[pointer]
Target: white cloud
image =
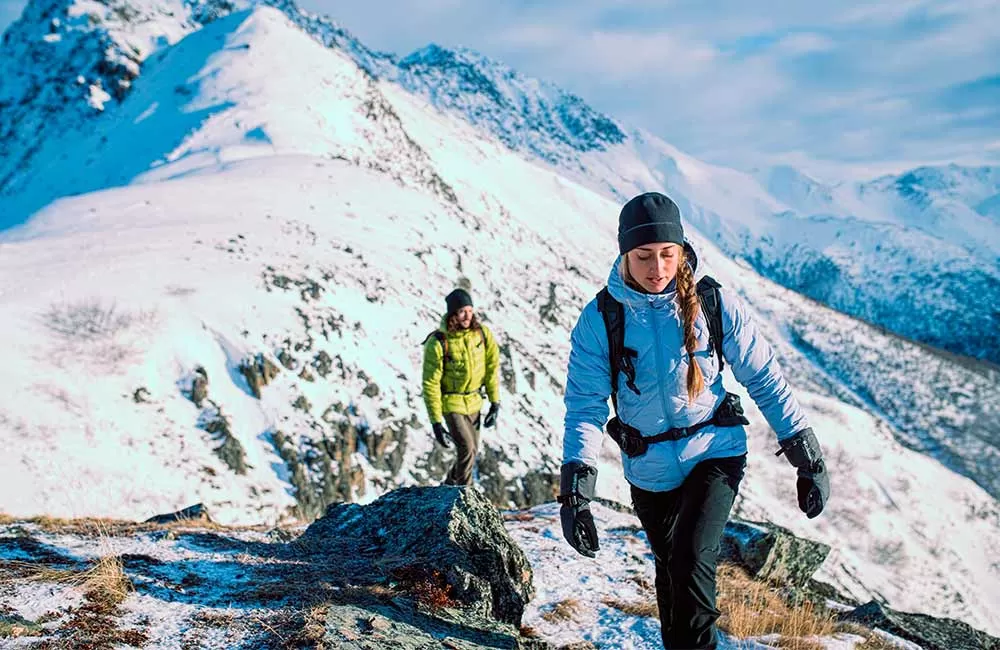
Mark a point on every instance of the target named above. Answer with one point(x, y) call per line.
point(849, 80)
point(734, 80)
point(804, 43)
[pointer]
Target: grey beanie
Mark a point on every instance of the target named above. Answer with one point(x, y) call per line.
point(649, 218)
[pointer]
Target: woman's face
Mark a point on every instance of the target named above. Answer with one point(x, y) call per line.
point(464, 317)
point(653, 266)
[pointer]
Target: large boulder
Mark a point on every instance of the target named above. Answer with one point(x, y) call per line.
point(772, 553)
point(449, 536)
point(928, 632)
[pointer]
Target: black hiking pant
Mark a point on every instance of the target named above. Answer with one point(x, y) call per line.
point(464, 430)
point(684, 527)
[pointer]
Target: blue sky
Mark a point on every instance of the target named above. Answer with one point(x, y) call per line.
point(874, 84)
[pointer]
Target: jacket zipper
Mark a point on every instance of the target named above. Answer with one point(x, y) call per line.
point(660, 381)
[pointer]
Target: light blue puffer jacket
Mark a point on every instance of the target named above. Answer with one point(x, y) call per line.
point(653, 328)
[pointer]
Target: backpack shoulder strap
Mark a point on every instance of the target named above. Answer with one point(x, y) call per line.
point(711, 303)
point(441, 339)
point(614, 324)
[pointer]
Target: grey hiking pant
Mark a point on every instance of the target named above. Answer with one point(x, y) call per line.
point(464, 430)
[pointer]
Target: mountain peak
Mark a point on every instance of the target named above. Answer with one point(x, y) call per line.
point(525, 113)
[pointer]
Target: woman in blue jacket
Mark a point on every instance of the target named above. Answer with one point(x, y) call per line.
point(686, 454)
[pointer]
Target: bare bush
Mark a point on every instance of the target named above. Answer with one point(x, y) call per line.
point(87, 320)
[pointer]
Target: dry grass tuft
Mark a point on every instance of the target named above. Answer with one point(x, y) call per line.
point(752, 608)
point(107, 580)
point(645, 608)
point(100, 527)
point(314, 627)
point(564, 610)
point(291, 628)
point(529, 632)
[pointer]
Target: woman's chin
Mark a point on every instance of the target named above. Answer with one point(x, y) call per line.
point(654, 287)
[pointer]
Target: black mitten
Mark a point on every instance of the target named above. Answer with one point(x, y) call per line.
point(491, 415)
point(577, 482)
point(813, 485)
point(441, 434)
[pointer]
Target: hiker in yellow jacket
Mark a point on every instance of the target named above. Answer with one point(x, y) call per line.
point(460, 359)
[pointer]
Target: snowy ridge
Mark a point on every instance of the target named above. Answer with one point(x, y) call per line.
point(316, 220)
point(898, 220)
point(511, 106)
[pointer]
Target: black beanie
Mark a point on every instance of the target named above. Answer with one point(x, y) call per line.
point(456, 300)
point(649, 218)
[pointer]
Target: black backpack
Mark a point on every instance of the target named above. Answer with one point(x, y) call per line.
point(621, 357)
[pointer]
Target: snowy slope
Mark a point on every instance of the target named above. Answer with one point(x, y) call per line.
point(328, 212)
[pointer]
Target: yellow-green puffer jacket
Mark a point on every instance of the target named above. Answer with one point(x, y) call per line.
point(452, 385)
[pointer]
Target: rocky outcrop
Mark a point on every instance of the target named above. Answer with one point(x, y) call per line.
point(258, 371)
point(380, 626)
point(194, 514)
point(229, 450)
point(451, 538)
point(927, 631)
point(532, 488)
point(772, 553)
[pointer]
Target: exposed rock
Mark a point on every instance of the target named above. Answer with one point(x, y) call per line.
point(927, 631)
point(772, 553)
point(196, 513)
point(534, 487)
point(230, 451)
point(379, 626)
point(258, 371)
point(370, 390)
point(508, 369)
point(322, 363)
point(199, 387)
point(546, 313)
point(305, 375)
point(287, 360)
point(452, 531)
point(312, 496)
point(302, 403)
point(141, 395)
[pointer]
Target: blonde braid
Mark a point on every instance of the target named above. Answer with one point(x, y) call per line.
point(690, 306)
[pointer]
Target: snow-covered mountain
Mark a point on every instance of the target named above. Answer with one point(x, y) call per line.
point(267, 221)
point(917, 253)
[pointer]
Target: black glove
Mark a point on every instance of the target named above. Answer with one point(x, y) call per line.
point(813, 485)
point(441, 434)
point(491, 415)
point(576, 489)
